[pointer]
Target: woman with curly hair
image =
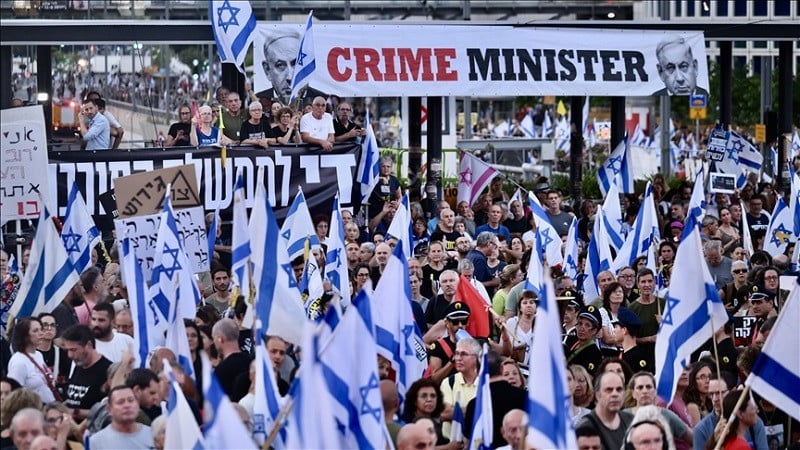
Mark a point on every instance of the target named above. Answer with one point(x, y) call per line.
point(424, 399)
point(698, 402)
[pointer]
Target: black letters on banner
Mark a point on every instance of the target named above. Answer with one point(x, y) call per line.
point(286, 169)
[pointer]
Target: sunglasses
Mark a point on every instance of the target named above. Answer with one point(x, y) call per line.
point(739, 271)
point(458, 321)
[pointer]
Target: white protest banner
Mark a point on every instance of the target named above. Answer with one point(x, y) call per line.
point(391, 60)
point(23, 168)
point(143, 232)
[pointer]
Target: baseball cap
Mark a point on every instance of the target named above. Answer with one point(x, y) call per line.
point(592, 314)
point(457, 311)
point(628, 319)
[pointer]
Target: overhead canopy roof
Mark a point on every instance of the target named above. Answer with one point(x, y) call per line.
point(57, 32)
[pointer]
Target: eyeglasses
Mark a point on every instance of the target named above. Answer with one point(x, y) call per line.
point(739, 271)
point(771, 278)
point(463, 354)
point(319, 105)
point(344, 109)
point(703, 377)
point(48, 326)
point(185, 113)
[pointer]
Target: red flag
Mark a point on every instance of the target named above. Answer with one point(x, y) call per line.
point(479, 324)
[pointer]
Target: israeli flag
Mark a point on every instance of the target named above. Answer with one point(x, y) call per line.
point(79, 233)
point(547, 125)
point(598, 258)
point(354, 389)
point(697, 202)
point(177, 341)
point(692, 306)
point(240, 258)
point(223, 428)
point(612, 218)
point(50, 274)
point(483, 422)
point(527, 126)
point(297, 227)
point(571, 252)
point(233, 23)
point(278, 302)
point(336, 259)
point(781, 229)
point(369, 165)
point(400, 227)
point(534, 277)
point(268, 402)
point(549, 409)
point(172, 288)
point(182, 430)
point(397, 335)
point(617, 169)
point(306, 61)
point(148, 324)
point(551, 242)
point(645, 232)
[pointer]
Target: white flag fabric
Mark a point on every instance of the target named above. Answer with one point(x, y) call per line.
point(313, 422)
point(369, 165)
point(562, 134)
point(571, 251)
point(172, 287)
point(222, 428)
point(697, 202)
point(483, 422)
point(527, 126)
point(355, 389)
point(177, 341)
point(776, 373)
point(148, 325)
point(336, 259)
point(612, 218)
point(598, 257)
point(233, 23)
point(645, 232)
point(535, 276)
point(297, 227)
point(548, 410)
point(747, 240)
point(617, 169)
point(397, 335)
point(692, 305)
point(400, 227)
point(547, 125)
point(50, 274)
point(79, 233)
point(278, 303)
point(551, 242)
point(585, 117)
point(268, 400)
point(306, 61)
point(474, 176)
point(182, 430)
point(457, 424)
point(240, 257)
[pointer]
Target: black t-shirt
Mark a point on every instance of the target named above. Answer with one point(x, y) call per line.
point(339, 128)
point(229, 368)
point(436, 309)
point(435, 349)
point(260, 131)
point(449, 238)
point(173, 131)
point(638, 358)
point(84, 388)
point(277, 132)
point(588, 356)
point(382, 193)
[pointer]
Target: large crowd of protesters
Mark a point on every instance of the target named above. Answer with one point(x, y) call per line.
point(70, 373)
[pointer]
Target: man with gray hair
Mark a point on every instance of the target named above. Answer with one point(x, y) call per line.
point(677, 68)
point(27, 424)
point(316, 127)
point(463, 385)
point(718, 265)
point(280, 57)
point(485, 243)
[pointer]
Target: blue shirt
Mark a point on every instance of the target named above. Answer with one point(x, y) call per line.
point(705, 430)
point(501, 230)
point(210, 139)
point(98, 136)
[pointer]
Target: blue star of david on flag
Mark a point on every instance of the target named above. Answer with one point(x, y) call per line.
point(671, 304)
point(780, 235)
point(176, 265)
point(289, 271)
point(232, 11)
point(615, 164)
point(364, 392)
point(545, 234)
point(71, 241)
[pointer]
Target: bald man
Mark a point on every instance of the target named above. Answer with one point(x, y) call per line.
point(420, 435)
point(515, 423)
point(44, 442)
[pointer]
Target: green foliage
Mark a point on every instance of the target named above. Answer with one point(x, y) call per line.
point(562, 183)
point(589, 186)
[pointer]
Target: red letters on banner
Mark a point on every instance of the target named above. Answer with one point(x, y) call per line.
point(391, 64)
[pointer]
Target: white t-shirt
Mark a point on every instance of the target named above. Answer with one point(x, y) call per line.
point(113, 349)
point(25, 372)
point(317, 128)
point(522, 338)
